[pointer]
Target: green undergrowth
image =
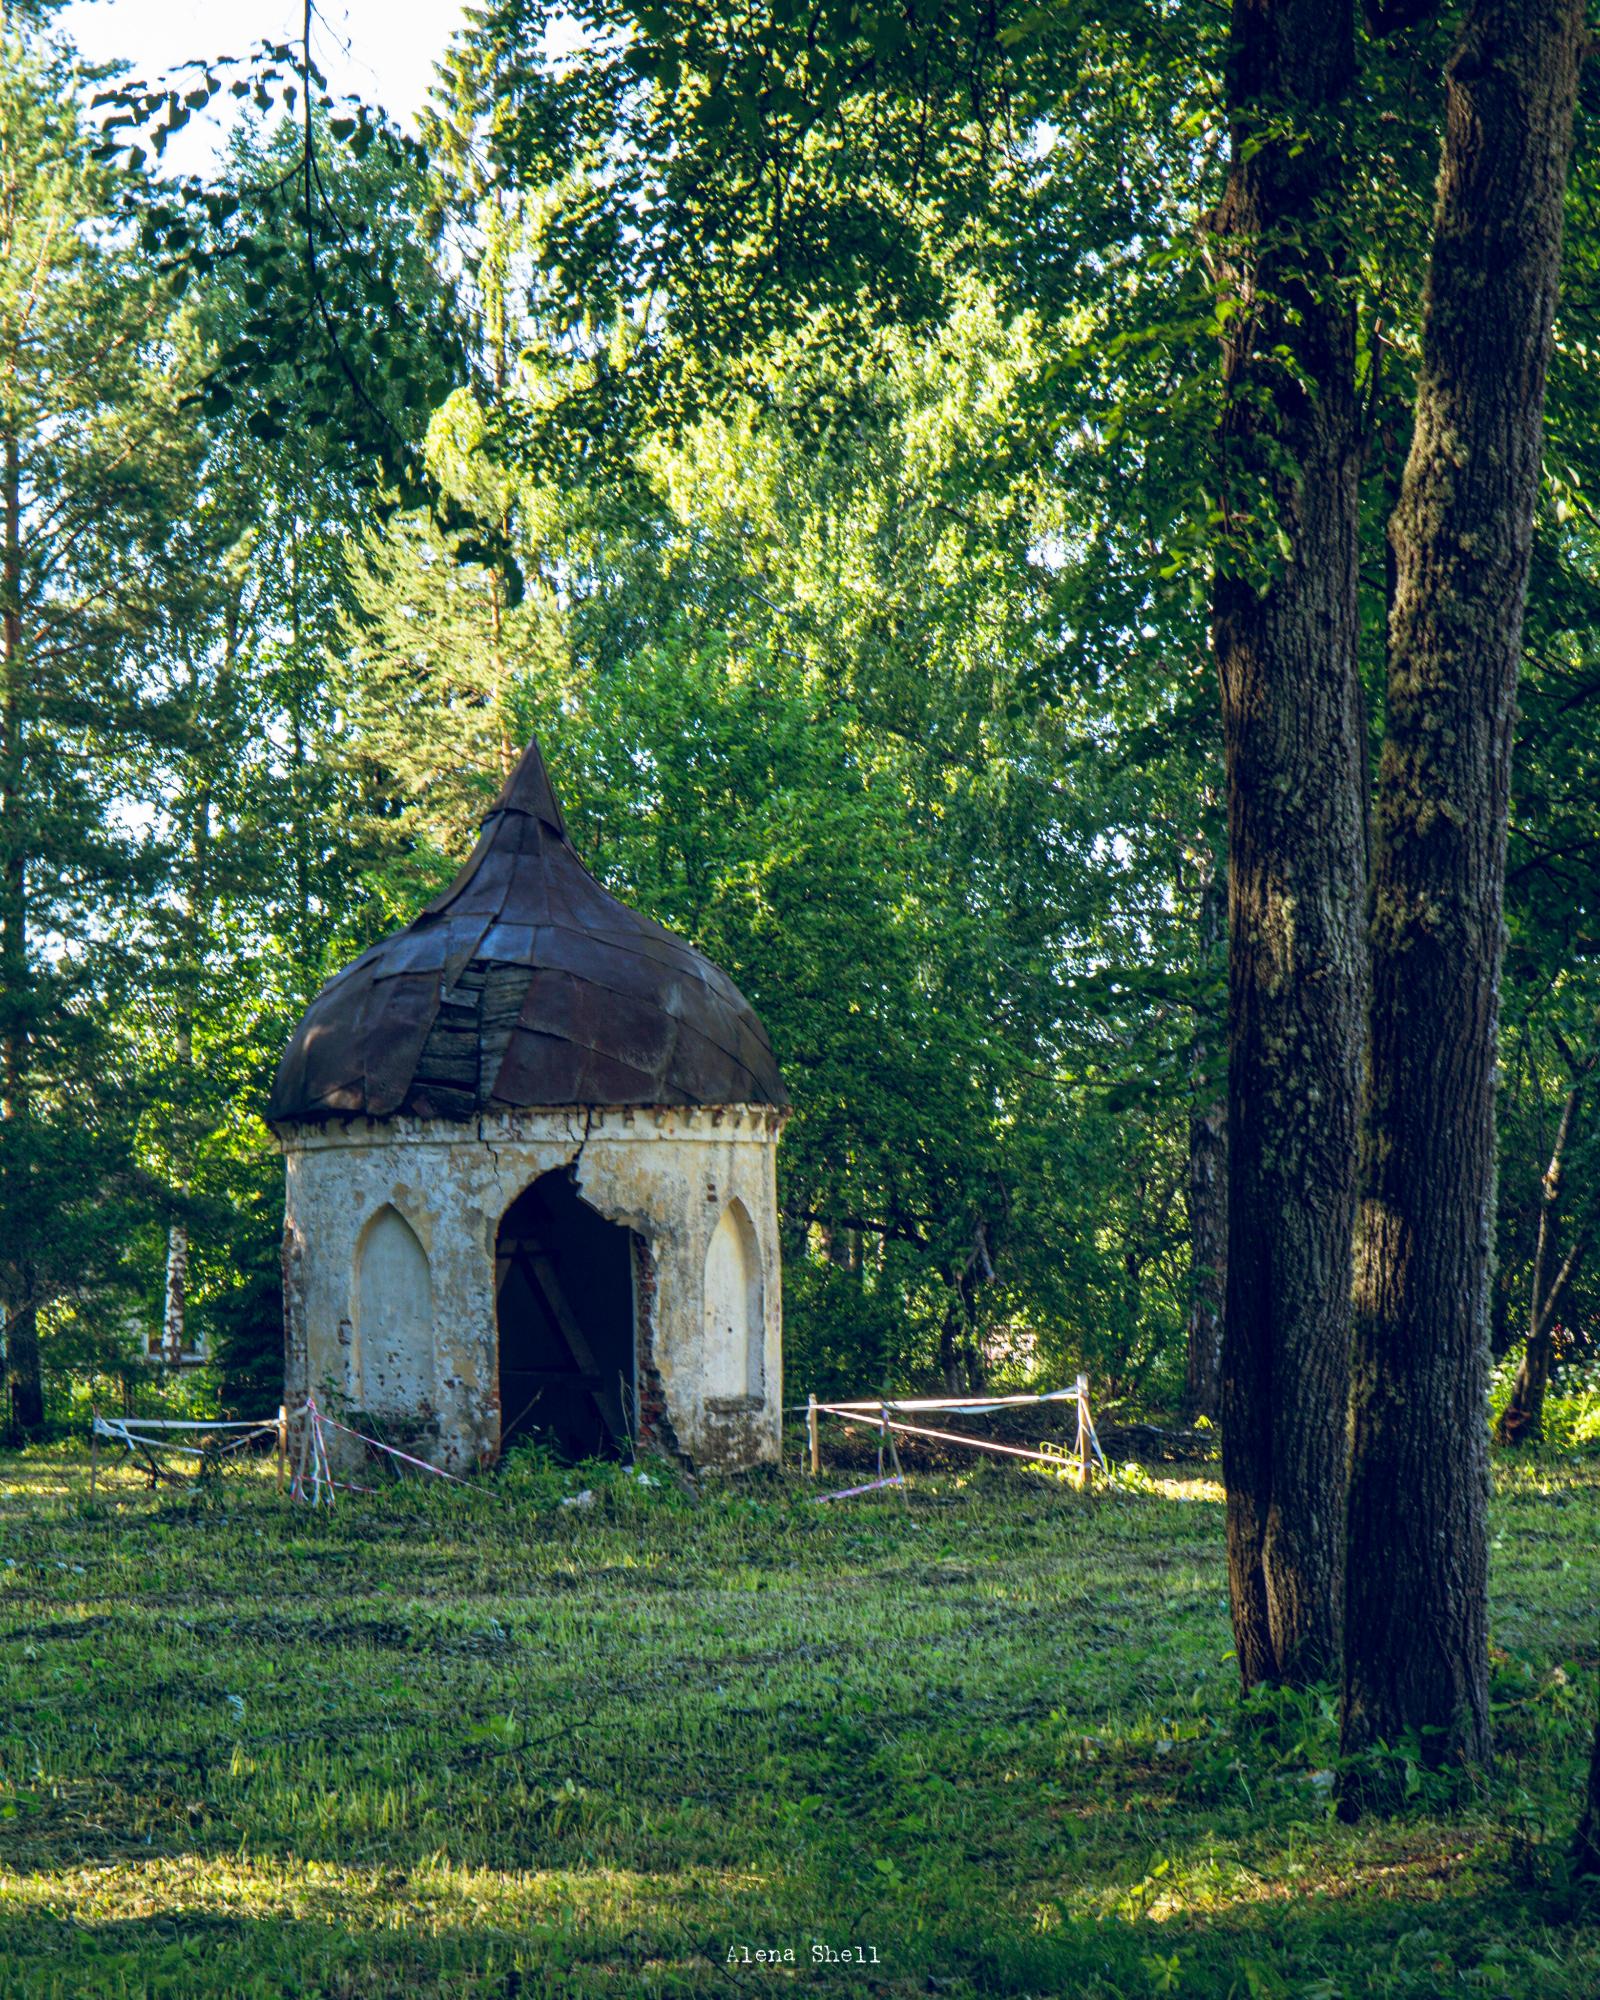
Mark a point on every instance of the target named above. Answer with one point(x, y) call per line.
point(478, 1742)
point(1571, 1417)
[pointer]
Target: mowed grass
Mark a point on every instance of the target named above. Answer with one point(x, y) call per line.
point(439, 1742)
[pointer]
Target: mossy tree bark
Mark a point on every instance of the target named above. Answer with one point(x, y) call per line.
point(1285, 630)
point(1416, 1608)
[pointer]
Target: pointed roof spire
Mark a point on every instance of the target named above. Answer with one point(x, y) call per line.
point(529, 790)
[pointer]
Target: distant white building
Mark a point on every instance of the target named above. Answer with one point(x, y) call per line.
point(530, 1149)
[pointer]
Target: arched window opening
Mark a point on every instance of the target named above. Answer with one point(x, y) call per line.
point(391, 1362)
point(565, 1314)
point(734, 1335)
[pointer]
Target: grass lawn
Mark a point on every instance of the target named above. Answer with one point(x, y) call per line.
point(443, 1743)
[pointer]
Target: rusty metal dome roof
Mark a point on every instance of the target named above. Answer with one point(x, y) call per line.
point(524, 985)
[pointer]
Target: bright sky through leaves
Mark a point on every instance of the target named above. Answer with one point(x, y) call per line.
point(382, 50)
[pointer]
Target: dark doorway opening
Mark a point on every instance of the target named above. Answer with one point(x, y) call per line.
point(564, 1308)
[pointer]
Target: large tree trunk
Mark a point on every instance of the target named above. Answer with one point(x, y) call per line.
point(1285, 629)
point(1416, 1611)
point(1208, 1178)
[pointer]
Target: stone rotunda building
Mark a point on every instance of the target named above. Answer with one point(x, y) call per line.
point(530, 1149)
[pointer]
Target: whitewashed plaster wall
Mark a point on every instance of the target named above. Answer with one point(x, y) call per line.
point(670, 1175)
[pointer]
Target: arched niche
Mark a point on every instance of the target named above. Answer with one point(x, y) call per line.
point(391, 1364)
point(733, 1342)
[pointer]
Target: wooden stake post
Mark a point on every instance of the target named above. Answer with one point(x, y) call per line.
point(1085, 1451)
point(283, 1440)
point(812, 1443)
point(297, 1485)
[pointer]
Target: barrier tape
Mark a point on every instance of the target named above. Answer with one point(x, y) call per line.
point(875, 1413)
point(393, 1450)
point(105, 1424)
point(920, 1430)
point(311, 1477)
point(127, 1431)
point(319, 1457)
point(850, 1492)
point(955, 1405)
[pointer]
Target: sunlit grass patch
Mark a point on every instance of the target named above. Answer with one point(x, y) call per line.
point(430, 1898)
